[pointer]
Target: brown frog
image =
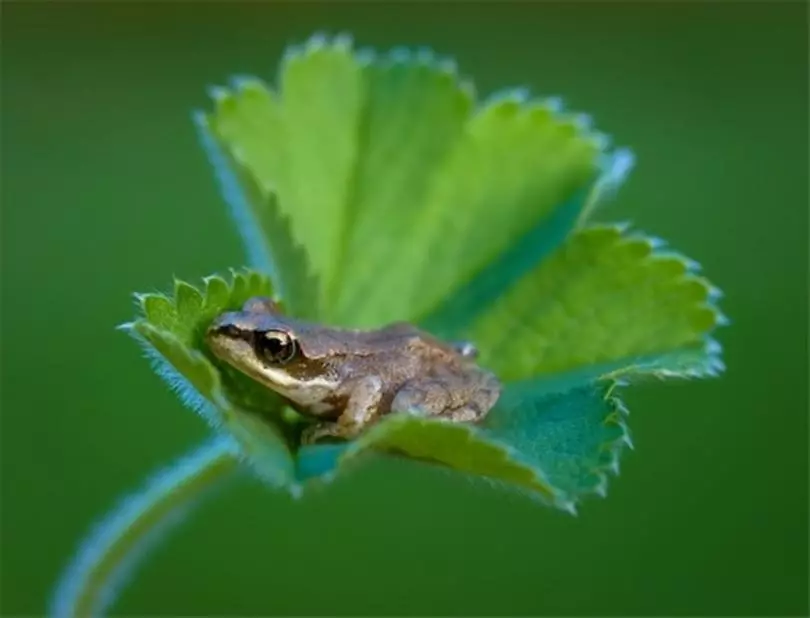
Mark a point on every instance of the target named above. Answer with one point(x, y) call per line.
point(348, 379)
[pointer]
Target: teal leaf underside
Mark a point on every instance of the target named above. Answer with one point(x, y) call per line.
point(376, 188)
point(557, 446)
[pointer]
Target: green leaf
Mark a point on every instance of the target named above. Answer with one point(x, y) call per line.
point(376, 188)
point(364, 150)
point(518, 162)
point(555, 442)
point(302, 147)
point(265, 230)
point(573, 433)
point(461, 447)
point(414, 115)
point(172, 332)
point(607, 303)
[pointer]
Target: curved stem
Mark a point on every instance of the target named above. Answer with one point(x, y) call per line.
point(109, 554)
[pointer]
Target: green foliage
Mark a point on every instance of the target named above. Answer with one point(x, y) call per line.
point(606, 302)
point(362, 151)
point(172, 329)
point(112, 550)
point(372, 189)
point(375, 189)
point(573, 434)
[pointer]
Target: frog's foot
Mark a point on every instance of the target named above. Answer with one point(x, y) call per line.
point(465, 349)
point(360, 412)
point(433, 398)
point(319, 431)
point(261, 304)
point(422, 398)
point(470, 413)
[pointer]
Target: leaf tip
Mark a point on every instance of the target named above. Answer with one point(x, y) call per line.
point(510, 99)
point(295, 490)
point(218, 94)
point(569, 507)
point(316, 42)
point(246, 83)
point(365, 56)
point(615, 169)
point(554, 104)
point(343, 41)
point(713, 347)
point(583, 122)
point(601, 489)
point(721, 319)
point(627, 440)
point(200, 119)
point(398, 55)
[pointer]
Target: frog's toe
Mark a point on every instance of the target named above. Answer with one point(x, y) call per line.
point(468, 413)
point(320, 431)
point(261, 304)
point(465, 349)
point(412, 401)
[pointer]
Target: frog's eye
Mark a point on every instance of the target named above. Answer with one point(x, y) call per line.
point(276, 346)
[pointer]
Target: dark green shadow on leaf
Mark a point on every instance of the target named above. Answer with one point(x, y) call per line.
point(457, 311)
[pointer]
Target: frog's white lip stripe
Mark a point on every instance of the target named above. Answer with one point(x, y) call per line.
point(282, 379)
point(308, 393)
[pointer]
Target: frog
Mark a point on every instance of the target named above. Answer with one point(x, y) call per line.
point(344, 380)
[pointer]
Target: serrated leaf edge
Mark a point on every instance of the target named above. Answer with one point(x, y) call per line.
point(659, 250)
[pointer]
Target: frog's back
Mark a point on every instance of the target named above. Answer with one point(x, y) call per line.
point(406, 339)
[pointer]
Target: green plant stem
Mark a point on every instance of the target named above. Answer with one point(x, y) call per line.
point(109, 554)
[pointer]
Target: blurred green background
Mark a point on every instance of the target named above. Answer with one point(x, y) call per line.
point(105, 192)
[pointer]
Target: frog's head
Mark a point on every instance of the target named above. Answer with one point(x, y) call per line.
point(284, 355)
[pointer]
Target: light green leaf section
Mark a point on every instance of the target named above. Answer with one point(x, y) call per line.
point(172, 330)
point(301, 146)
point(403, 192)
point(414, 116)
point(322, 105)
point(606, 303)
point(516, 164)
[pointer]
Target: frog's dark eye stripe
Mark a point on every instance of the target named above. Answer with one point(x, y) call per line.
point(276, 346)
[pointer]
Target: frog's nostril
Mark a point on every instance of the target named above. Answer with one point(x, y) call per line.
point(230, 331)
point(215, 325)
point(224, 327)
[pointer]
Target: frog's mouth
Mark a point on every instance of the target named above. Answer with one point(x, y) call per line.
point(312, 393)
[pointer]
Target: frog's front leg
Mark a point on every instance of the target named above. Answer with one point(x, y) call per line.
point(362, 407)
